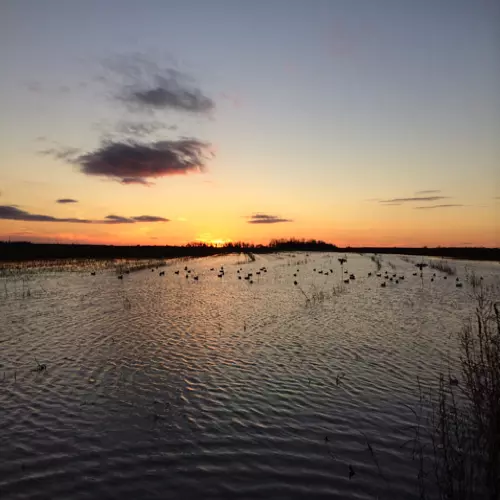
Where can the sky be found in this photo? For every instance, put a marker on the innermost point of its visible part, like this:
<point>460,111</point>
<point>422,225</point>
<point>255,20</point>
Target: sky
<point>157,122</point>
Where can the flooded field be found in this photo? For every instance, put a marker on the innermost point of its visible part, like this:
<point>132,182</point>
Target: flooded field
<point>208,385</point>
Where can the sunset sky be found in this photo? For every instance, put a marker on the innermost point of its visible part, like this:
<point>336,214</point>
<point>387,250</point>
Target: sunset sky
<point>359,122</point>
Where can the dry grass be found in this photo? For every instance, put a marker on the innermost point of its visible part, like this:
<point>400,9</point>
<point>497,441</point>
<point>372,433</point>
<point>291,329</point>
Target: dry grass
<point>443,266</point>
<point>457,433</point>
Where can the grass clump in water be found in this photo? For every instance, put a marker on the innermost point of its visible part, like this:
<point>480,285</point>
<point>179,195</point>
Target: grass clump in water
<point>443,266</point>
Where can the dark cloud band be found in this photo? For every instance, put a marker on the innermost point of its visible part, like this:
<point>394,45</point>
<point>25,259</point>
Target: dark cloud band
<point>266,219</point>
<point>10,212</point>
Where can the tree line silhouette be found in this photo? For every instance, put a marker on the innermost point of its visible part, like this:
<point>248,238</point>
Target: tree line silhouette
<point>25,250</point>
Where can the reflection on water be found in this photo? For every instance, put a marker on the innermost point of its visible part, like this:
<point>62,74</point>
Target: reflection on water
<point>171,387</point>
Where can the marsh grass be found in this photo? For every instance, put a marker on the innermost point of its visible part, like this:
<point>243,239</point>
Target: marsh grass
<point>457,432</point>
<point>443,266</point>
<point>377,260</point>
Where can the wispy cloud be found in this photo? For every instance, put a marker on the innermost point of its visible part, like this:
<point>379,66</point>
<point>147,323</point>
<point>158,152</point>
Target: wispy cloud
<point>266,219</point>
<point>415,198</point>
<point>11,212</point>
<point>61,153</point>
<point>142,129</point>
<point>66,200</point>
<point>431,207</point>
<point>169,93</point>
<point>131,162</point>
<point>428,191</point>
<point>148,86</point>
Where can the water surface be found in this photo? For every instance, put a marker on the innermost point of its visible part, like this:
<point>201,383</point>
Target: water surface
<point>168,387</point>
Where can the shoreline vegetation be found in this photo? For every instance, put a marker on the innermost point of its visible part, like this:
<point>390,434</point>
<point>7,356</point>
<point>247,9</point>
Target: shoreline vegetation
<point>26,251</point>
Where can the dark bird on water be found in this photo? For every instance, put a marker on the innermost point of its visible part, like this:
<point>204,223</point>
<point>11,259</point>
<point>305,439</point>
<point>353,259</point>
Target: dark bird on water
<point>295,283</point>
<point>92,273</point>
<point>351,472</point>
<point>120,277</point>
<point>176,272</point>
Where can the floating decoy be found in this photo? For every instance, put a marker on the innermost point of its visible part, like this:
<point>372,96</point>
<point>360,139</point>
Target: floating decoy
<point>295,283</point>
<point>351,471</point>
<point>346,281</point>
